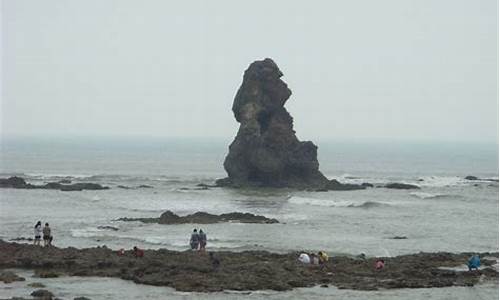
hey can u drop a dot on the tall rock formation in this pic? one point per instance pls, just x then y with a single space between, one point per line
266 151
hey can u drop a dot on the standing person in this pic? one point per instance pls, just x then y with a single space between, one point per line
47 237
38 233
203 240
195 239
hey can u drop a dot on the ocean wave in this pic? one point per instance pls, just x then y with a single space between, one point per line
335 203
424 195
213 243
311 201
90 232
441 181
369 204
117 179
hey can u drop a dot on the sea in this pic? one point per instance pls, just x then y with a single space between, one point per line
447 213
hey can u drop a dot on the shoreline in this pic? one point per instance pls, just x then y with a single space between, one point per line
249 270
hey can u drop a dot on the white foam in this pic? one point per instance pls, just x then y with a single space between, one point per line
424 195
441 181
47 176
89 232
334 203
311 201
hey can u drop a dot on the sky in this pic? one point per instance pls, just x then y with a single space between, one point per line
362 69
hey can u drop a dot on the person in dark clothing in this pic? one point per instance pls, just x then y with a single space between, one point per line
47 236
215 261
203 240
195 240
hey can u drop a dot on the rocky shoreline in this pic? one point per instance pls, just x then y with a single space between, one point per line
250 270
200 217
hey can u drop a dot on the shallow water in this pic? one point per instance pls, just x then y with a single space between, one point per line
448 213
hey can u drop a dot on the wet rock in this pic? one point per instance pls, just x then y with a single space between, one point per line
337 186
19 183
197 188
18 239
123 187
251 270
144 186
204 185
9 277
46 274
399 237
81 187
42 294
12 182
36 285
106 227
401 186
169 218
266 152
470 177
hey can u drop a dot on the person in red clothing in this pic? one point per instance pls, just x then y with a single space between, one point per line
138 252
379 264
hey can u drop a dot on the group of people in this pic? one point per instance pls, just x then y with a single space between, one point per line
314 259
45 231
198 240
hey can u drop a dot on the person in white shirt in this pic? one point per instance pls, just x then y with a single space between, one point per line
38 233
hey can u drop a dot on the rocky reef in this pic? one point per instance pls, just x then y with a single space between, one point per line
19 183
266 152
249 270
200 217
401 186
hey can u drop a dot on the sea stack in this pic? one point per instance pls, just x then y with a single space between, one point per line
266 152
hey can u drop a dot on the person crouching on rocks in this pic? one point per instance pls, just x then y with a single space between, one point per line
47 237
38 233
323 257
314 259
203 240
195 239
214 261
138 252
379 264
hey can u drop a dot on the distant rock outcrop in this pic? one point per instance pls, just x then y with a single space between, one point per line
266 152
200 217
19 183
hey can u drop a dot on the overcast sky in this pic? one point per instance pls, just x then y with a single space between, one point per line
423 69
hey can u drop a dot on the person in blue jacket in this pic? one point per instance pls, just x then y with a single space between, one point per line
474 263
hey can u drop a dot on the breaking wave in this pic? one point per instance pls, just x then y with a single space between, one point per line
423 195
111 178
335 203
369 204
